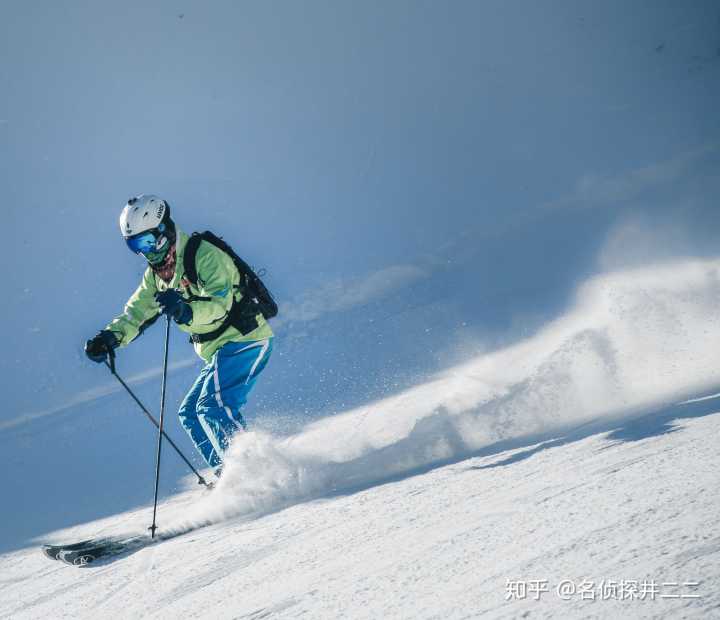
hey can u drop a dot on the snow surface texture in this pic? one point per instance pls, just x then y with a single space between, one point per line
612 507
554 458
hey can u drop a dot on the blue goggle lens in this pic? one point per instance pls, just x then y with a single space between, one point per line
144 243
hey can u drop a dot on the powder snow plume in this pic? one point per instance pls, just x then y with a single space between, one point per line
631 339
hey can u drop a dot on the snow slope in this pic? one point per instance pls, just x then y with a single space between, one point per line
559 457
606 506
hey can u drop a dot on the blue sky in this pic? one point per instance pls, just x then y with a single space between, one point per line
419 178
326 140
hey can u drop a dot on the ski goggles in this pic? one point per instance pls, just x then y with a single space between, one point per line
142 243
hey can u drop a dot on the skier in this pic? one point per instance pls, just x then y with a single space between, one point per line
213 296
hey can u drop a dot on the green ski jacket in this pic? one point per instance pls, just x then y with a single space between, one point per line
217 279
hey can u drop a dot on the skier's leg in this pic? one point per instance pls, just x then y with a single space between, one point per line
239 368
189 419
234 369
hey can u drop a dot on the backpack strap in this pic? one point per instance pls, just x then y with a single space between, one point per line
191 248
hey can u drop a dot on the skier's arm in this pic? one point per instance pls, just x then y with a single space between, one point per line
141 310
217 279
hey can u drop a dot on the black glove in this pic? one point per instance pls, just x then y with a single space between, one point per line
172 303
98 348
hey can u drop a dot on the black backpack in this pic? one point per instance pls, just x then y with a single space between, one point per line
256 299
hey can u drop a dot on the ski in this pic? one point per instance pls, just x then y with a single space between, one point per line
88 551
51 551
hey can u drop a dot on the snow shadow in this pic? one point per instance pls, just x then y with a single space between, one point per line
666 420
653 424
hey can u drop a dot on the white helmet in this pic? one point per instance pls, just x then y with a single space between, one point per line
146 225
144 212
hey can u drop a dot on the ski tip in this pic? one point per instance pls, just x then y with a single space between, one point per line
77 559
68 556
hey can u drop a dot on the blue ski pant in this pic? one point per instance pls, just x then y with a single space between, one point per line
210 413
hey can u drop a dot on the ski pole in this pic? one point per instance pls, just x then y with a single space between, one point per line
111 366
153 527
